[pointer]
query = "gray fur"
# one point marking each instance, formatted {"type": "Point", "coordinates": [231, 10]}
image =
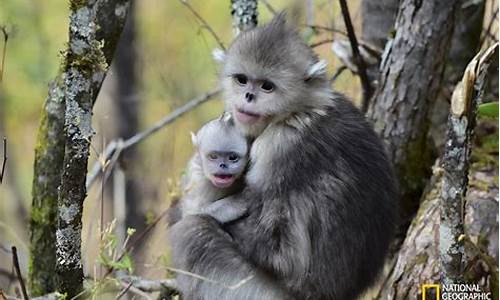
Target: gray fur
{"type": "Point", "coordinates": [199, 192]}
{"type": "Point", "coordinates": [320, 191]}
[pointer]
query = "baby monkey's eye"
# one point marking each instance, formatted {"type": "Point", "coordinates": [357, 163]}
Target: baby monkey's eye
{"type": "Point", "coordinates": [240, 79]}
{"type": "Point", "coordinates": [212, 156]}
{"type": "Point", "coordinates": [234, 157]}
{"type": "Point", "coordinates": [267, 86]}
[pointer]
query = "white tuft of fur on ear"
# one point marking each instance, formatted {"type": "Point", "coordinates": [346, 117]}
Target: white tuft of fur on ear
{"type": "Point", "coordinates": [194, 139]}
{"type": "Point", "coordinates": [317, 69]}
{"type": "Point", "coordinates": [219, 55]}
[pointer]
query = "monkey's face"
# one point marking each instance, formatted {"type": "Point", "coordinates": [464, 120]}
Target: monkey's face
{"type": "Point", "coordinates": [223, 168]}
{"type": "Point", "coordinates": [267, 74]}
{"type": "Point", "coordinates": [223, 151]}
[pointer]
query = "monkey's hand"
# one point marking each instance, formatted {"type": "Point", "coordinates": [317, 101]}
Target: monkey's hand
{"type": "Point", "coordinates": [225, 210]}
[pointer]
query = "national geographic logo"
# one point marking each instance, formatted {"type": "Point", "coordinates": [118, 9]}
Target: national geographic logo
{"type": "Point", "coordinates": [454, 292]}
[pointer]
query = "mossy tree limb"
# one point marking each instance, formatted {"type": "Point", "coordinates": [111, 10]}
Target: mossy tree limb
{"type": "Point", "coordinates": [455, 163]}
{"type": "Point", "coordinates": [49, 155]}
{"type": "Point", "coordinates": [95, 28]}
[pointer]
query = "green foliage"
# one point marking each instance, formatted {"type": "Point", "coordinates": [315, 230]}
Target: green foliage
{"type": "Point", "coordinates": [109, 254]}
{"type": "Point", "coordinates": [488, 110]}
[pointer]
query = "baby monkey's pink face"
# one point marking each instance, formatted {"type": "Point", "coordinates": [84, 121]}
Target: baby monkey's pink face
{"type": "Point", "coordinates": [223, 168]}
{"type": "Point", "coordinates": [223, 151]}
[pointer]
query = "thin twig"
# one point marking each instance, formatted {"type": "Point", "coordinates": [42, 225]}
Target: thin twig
{"type": "Point", "coordinates": [488, 28]}
{"type": "Point", "coordinates": [149, 285]}
{"type": "Point", "coordinates": [4, 163]}
{"type": "Point", "coordinates": [136, 291]}
{"type": "Point", "coordinates": [124, 291]}
{"type": "Point", "coordinates": [358, 59]}
{"type": "Point", "coordinates": [130, 247]}
{"type": "Point", "coordinates": [204, 23]}
{"type": "Point", "coordinates": [114, 145]}
{"type": "Point", "coordinates": [4, 51]}
{"type": "Point", "coordinates": [337, 73]}
{"type": "Point", "coordinates": [325, 28]}
{"type": "Point", "coordinates": [327, 41]}
{"type": "Point", "coordinates": [15, 261]}
{"type": "Point", "coordinates": [269, 7]}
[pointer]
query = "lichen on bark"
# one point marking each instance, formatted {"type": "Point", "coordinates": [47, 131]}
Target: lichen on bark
{"type": "Point", "coordinates": [49, 155]}
{"type": "Point", "coordinates": [63, 146]}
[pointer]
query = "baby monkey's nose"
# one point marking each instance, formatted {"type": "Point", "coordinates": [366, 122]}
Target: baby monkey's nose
{"type": "Point", "coordinates": [223, 166]}
{"type": "Point", "coordinates": [249, 97]}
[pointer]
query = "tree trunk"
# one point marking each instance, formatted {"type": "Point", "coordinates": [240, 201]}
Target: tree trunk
{"type": "Point", "coordinates": [410, 80]}
{"type": "Point", "coordinates": [244, 14]}
{"type": "Point", "coordinates": [49, 155]}
{"type": "Point", "coordinates": [87, 62]}
{"type": "Point", "coordinates": [85, 66]}
{"type": "Point", "coordinates": [127, 109]}
{"type": "Point", "coordinates": [433, 249]}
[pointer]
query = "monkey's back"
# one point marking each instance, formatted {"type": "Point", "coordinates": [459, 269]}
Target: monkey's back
{"type": "Point", "coordinates": [324, 223]}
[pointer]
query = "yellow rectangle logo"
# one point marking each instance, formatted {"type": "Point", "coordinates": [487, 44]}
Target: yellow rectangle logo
{"type": "Point", "coordinates": [426, 287]}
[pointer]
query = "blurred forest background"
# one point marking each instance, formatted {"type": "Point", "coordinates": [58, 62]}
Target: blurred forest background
{"type": "Point", "coordinates": [163, 60]}
{"type": "Point", "coordinates": [172, 61]}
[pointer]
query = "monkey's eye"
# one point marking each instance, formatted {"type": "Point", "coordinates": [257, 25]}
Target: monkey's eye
{"type": "Point", "coordinates": [267, 86]}
{"type": "Point", "coordinates": [212, 156]}
{"type": "Point", "coordinates": [233, 157]}
{"type": "Point", "coordinates": [240, 79]}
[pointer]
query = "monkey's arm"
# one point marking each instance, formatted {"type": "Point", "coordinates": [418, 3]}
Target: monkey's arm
{"type": "Point", "coordinates": [200, 246]}
{"type": "Point", "coordinates": [225, 210]}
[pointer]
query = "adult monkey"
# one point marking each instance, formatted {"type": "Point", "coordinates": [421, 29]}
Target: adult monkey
{"type": "Point", "coordinates": [320, 191]}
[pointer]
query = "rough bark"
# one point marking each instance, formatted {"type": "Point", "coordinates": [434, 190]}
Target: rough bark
{"type": "Point", "coordinates": [443, 205]}
{"type": "Point", "coordinates": [95, 27]}
{"type": "Point", "coordinates": [456, 160]}
{"type": "Point", "coordinates": [49, 155]}
{"type": "Point", "coordinates": [410, 78]}
{"type": "Point", "coordinates": [244, 14]}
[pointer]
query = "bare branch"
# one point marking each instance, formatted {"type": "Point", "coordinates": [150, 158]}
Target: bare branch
{"type": "Point", "coordinates": [116, 146]}
{"type": "Point", "coordinates": [204, 23]}
{"type": "Point", "coordinates": [4, 163]}
{"type": "Point", "coordinates": [487, 32]}
{"type": "Point", "coordinates": [337, 73]}
{"type": "Point", "coordinates": [358, 59]}
{"type": "Point", "coordinates": [325, 28]}
{"type": "Point", "coordinates": [327, 41]}
{"type": "Point", "coordinates": [4, 51]}
{"type": "Point", "coordinates": [15, 261]}
{"type": "Point", "coordinates": [148, 285]}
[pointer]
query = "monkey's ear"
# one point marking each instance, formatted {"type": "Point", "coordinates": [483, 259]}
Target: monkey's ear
{"type": "Point", "coordinates": [316, 70]}
{"type": "Point", "coordinates": [219, 55]}
{"type": "Point", "coordinates": [194, 139]}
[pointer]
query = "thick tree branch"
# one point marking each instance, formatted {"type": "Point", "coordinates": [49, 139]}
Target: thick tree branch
{"type": "Point", "coordinates": [455, 163]}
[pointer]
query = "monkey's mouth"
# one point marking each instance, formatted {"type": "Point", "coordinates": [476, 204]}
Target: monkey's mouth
{"type": "Point", "coordinates": [247, 117]}
{"type": "Point", "coordinates": [223, 180]}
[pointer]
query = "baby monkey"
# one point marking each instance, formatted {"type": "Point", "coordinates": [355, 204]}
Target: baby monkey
{"type": "Point", "coordinates": [215, 171]}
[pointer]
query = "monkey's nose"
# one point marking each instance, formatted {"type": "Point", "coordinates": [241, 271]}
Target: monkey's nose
{"type": "Point", "coordinates": [223, 166]}
{"type": "Point", "coordinates": [250, 97]}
